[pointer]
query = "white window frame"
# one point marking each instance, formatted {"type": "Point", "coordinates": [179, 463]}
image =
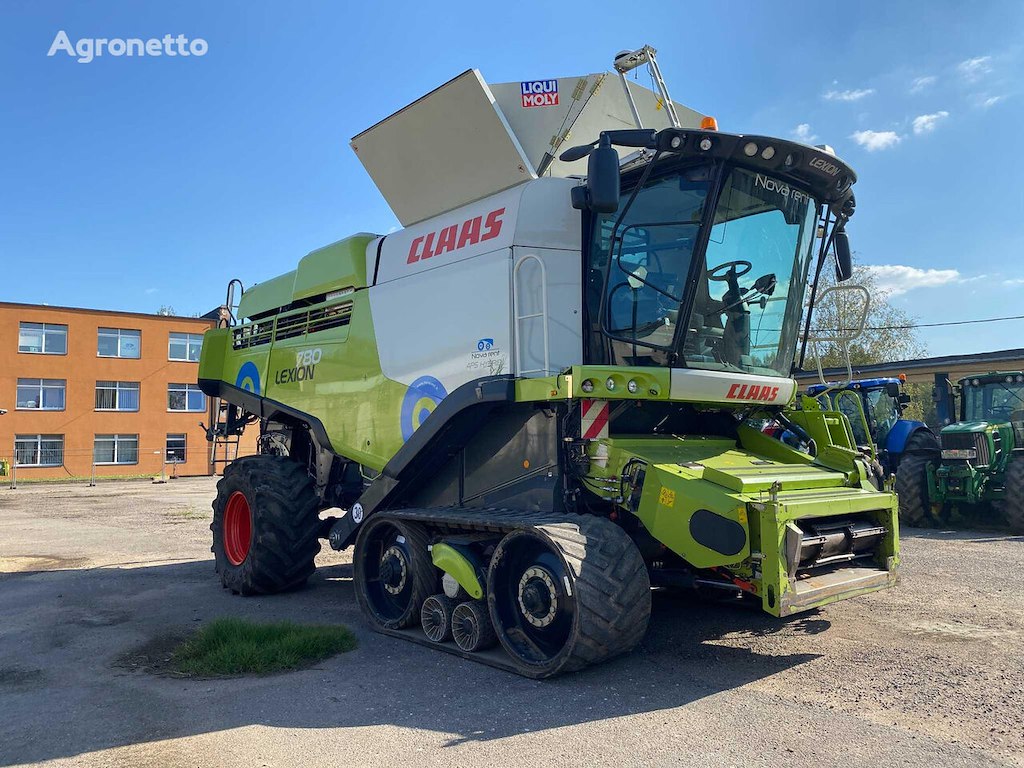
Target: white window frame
{"type": "Point", "coordinates": [118, 333]}
{"type": "Point", "coordinates": [119, 387]}
{"type": "Point", "coordinates": [189, 339]}
{"type": "Point", "coordinates": [117, 439]}
{"type": "Point", "coordinates": [176, 437]}
{"type": "Point", "coordinates": [38, 440]}
{"type": "Point", "coordinates": [59, 329]}
{"type": "Point", "coordinates": [186, 389]}
{"type": "Point", "coordinates": [39, 385]}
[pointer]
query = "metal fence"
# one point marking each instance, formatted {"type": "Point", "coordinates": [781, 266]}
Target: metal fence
{"type": "Point", "coordinates": [108, 460]}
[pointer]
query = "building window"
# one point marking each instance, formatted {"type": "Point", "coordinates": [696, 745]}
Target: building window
{"type": "Point", "coordinates": [118, 342]}
{"type": "Point", "coordinates": [185, 346]}
{"type": "Point", "coordinates": [43, 338]}
{"type": "Point", "coordinates": [176, 449]}
{"type": "Point", "coordinates": [41, 394]}
{"type": "Point", "coordinates": [117, 395]}
{"type": "Point", "coordinates": [185, 397]}
{"type": "Point", "coordinates": [116, 449]}
{"type": "Point", "coordinates": [39, 450]}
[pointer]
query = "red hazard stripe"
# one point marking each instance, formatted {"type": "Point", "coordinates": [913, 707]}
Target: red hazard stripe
{"type": "Point", "coordinates": [588, 405]}
{"type": "Point", "coordinates": [600, 422]}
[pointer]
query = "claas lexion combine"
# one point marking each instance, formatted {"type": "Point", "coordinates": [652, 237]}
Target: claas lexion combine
{"type": "Point", "coordinates": [540, 398]}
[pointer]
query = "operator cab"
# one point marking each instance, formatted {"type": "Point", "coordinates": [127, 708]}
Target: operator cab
{"type": "Point", "coordinates": [703, 261]}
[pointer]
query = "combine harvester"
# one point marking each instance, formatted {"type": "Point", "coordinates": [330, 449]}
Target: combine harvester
{"type": "Point", "coordinates": [538, 400]}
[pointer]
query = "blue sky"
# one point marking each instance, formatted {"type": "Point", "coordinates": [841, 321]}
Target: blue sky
{"type": "Point", "coordinates": [135, 182]}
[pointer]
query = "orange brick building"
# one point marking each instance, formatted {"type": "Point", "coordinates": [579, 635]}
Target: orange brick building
{"type": "Point", "coordinates": [90, 392]}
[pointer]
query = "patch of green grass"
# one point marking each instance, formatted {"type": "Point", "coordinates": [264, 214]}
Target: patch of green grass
{"type": "Point", "coordinates": [237, 647]}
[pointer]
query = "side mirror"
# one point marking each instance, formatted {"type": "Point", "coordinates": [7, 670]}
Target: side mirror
{"type": "Point", "coordinates": [892, 389]}
{"type": "Point", "coordinates": [603, 178]}
{"type": "Point", "coordinates": [903, 399]}
{"type": "Point", "coordinates": [844, 258]}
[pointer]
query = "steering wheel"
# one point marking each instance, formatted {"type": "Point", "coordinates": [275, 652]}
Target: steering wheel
{"type": "Point", "coordinates": [1002, 412]}
{"type": "Point", "coordinates": [728, 266]}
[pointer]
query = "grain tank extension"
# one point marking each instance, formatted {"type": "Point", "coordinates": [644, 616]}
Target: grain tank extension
{"type": "Point", "coordinates": [538, 400]}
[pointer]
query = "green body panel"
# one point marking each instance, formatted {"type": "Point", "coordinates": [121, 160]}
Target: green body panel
{"type": "Point", "coordinates": [335, 267]}
{"type": "Point", "coordinates": [345, 388]}
{"type": "Point", "coordinates": [685, 474]}
{"type": "Point", "coordinates": [652, 384]}
{"type": "Point", "coordinates": [456, 565]}
{"type": "Point", "coordinates": [267, 296]}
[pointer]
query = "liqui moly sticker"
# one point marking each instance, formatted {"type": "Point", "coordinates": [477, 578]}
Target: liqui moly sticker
{"type": "Point", "coordinates": [540, 93]}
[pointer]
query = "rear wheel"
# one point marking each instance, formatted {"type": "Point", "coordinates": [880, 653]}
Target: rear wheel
{"type": "Point", "coordinates": [566, 595]}
{"type": "Point", "coordinates": [265, 525]}
{"type": "Point", "coordinates": [1013, 502]}
{"type": "Point", "coordinates": [393, 572]}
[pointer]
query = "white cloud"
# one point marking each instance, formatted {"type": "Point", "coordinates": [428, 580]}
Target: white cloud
{"type": "Point", "coordinates": [151, 290]}
{"type": "Point", "coordinates": [852, 95]}
{"type": "Point", "coordinates": [920, 83]}
{"type": "Point", "coordinates": [1014, 281]}
{"type": "Point", "coordinates": [803, 133]}
{"type": "Point", "coordinates": [974, 69]}
{"type": "Point", "coordinates": [872, 141]}
{"type": "Point", "coordinates": [895, 279]}
{"type": "Point", "coordinates": [927, 123]}
{"type": "Point", "coordinates": [991, 101]}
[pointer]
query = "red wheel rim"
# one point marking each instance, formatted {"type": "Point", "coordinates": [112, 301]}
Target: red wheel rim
{"type": "Point", "coordinates": [237, 528]}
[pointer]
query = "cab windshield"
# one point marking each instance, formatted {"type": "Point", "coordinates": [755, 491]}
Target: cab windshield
{"type": "Point", "coordinates": [732, 303]}
{"type": "Point", "coordinates": [999, 401]}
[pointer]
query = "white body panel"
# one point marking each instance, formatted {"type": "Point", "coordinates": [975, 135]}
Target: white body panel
{"type": "Point", "coordinates": [467, 140]}
{"type": "Point", "coordinates": [488, 299]}
{"type": "Point", "coordinates": [729, 387]}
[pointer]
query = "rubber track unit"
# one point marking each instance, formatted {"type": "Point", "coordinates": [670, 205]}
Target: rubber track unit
{"type": "Point", "coordinates": [611, 581]}
{"type": "Point", "coordinates": [285, 524]}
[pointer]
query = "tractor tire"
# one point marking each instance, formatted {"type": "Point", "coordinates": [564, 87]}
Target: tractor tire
{"type": "Point", "coordinates": [393, 572]}
{"type": "Point", "coordinates": [1013, 501]}
{"type": "Point", "coordinates": [912, 489]}
{"type": "Point", "coordinates": [563, 596]}
{"type": "Point", "coordinates": [265, 525]}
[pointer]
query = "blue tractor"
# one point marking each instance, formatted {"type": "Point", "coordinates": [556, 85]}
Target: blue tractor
{"type": "Point", "coordinates": [875, 408]}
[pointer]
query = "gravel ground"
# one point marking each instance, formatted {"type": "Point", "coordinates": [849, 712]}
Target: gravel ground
{"type": "Point", "coordinates": [931, 673]}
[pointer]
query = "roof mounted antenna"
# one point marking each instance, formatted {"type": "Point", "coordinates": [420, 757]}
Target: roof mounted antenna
{"type": "Point", "coordinates": [627, 61]}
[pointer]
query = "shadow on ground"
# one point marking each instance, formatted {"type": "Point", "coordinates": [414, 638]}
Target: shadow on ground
{"type": "Point", "coordinates": [62, 632]}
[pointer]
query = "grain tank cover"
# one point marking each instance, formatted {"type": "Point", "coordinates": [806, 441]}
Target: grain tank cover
{"type": "Point", "coordinates": [467, 140]}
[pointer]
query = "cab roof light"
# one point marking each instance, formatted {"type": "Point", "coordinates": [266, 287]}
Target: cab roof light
{"type": "Point", "coordinates": [708, 124]}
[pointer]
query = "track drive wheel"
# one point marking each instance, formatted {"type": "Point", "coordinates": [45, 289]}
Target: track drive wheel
{"type": "Point", "coordinates": [565, 595]}
{"type": "Point", "coordinates": [393, 572]}
{"type": "Point", "coordinates": [1013, 502]}
{"type": "Point", "coordinates": [265, 525]}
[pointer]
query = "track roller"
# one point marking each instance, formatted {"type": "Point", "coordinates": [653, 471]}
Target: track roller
{"type": "Point", "coordinates": [436, 617]}
{"type": "Point", "coordinates": [471, 626]}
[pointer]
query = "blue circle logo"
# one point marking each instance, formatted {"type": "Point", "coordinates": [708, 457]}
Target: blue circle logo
{"type": "Point", "coordinates": [419, 402]}
{"type": "Point", "coordinates": [248, 378]}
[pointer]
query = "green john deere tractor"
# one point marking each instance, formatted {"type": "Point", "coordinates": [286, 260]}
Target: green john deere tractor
{"type": "Point", "coordinates": [981, 466]}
